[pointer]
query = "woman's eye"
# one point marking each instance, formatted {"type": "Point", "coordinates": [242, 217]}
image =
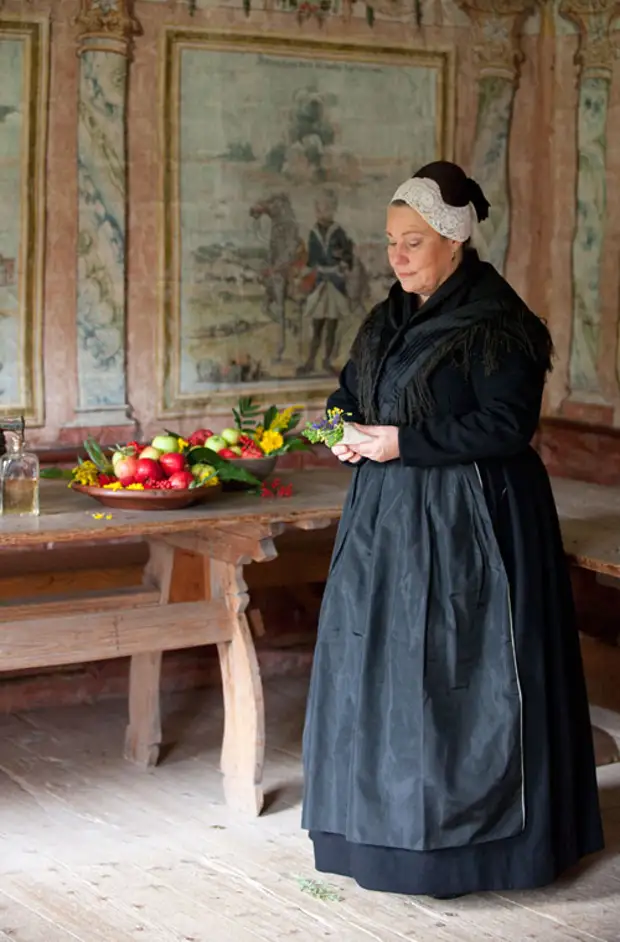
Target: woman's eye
{"type": "Point", "coordinates": [413, 245]}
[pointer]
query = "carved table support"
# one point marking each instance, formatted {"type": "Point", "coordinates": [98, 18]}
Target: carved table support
{"type": "Point", "coordinates": [225, 551]}
{"type": "Point", "coordinates": [243, 746]}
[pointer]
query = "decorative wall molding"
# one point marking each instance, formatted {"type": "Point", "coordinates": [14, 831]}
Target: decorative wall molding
{"type": "Point", "coordinates": [594, 60]}
{"type": "Point", "coordinates": [107, 28]}
{"type": "Point", "coordinates": [598, 41]}
{"type": "Point", "coordinates": [496, 32]}
{"type": "Point", "coordinates": [24, 53]}
{"type": "Point", "coordinates": [107, 25]}
{"type": "Point", "coordinates": [497, 26]}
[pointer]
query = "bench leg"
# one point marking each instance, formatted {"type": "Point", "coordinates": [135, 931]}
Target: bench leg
{"type": "Point", "coordinates": [243, 748]}
{"type": "Point", "coordinates": [143, 735]}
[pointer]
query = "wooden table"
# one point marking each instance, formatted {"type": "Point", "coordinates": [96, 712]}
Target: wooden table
{"type": "Point", "coordinates": [142, 623]}
{"type": "Point", "coordinates": [229, 533]}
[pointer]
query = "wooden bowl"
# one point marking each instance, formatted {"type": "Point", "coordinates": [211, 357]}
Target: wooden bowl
{"type": "Point", "coordinates": [149, 500]}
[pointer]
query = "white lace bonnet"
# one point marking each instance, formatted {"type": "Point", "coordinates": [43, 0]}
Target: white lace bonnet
{"type": "Point", "coordinates": [424, 195]}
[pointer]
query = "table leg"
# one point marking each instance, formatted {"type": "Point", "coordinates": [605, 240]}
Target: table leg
{"type": "Point", "coordinates": [143, 735]}
{"type": "Point", "coordinates": [243, 748]}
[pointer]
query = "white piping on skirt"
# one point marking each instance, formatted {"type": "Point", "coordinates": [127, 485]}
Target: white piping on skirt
{"type": "Point", "coordinates": [517, 677]}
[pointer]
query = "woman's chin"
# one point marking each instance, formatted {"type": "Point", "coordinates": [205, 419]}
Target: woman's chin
{"type": "Point", "coordinates": [410, 285]}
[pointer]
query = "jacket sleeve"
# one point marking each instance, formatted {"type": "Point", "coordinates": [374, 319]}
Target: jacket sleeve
{"type": "Point", "coordinates": [345, 397]}
{"type": "Point", "coordinates": [503, 424]}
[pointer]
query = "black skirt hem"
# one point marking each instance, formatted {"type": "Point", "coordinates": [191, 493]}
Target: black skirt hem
{"type": "Point", "coordinates": [413, 873]}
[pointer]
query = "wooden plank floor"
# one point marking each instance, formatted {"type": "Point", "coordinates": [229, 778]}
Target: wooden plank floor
{"type": "Point", "coordinates": [97, 851]}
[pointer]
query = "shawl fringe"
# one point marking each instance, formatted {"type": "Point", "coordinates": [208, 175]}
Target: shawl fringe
{"type": "Point", "coordinates": [512, 328]}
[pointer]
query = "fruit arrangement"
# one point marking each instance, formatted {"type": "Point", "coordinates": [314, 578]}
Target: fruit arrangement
{"type": "Point", "coordinates": [167, 462]}
{"type": "Point", "coordinates": [206, 458]}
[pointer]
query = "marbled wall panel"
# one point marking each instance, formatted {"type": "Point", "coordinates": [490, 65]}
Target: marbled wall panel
{"type": "Point", "coordinates": [101, 249]}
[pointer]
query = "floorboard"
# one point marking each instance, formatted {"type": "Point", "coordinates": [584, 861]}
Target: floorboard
{"type": "Point", "coordinates": [95, 850]}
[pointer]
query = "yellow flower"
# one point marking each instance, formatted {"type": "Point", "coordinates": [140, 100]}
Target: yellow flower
{"type": "Point", "coordinates": [135, 487]}
{"type": "Point", "coordinates": [114, 486]}
{"type": "Point", "coordinates": [98, 516]}
{"type": "Point", "coordinates": [209, 481]}
{"type": "Point", "coordinates": [282, 419]}
{"type": "Point", "coordinates": [271, 441]}
{"type": "Point", "coordinates": [86, 474]}
{"type": "Point", "coordinates": [182, 444]}
{"type": "Point", "coordinates": [258, 432]}
{"type": "Point", "coordinates": [108, 516]}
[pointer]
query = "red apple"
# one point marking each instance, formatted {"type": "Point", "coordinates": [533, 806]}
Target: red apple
{"type": "Point", "coordinates": [181, 480]}
{"type": "Point", "coordinates": [227, 453]}
{"type": "Point", "coordinates": [172, 462]}
{"type": "Point", "coordinates": [199, 437]}
{"type": "Point", "coordinates": [148, 469]}
{"type": "Point", "coordinates": [125, 470]}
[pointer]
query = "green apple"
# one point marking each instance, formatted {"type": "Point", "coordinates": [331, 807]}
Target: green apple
{"type": "Point", "coordinates": [166, 443]}
{"type": "Point", "coordinates": [150, 452]}
{"type": "Point", "coordinates": [236, 450]}
{"type": "Point", "coordinates": [231, 435]}
{"type": "Point", "coordinates": [216, 442]}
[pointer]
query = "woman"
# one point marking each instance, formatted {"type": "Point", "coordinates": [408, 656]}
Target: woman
{"type": "Point", "coordinates": [447, 746]}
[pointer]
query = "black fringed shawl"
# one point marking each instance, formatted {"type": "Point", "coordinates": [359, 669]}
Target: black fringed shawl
{"type": "Point", "coordinates": [474, 313]}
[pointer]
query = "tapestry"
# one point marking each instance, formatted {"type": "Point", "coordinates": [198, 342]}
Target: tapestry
{"type": "Point", "coordinates": [280, 157]}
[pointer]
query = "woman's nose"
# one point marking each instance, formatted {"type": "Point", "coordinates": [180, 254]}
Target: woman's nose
{"type": "Point", "coordinates": [400, 256]}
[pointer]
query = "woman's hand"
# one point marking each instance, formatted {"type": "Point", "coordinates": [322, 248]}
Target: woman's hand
{"type": "Point", "coordinates": [344, 453]}
{"type": "Point", "coordinates": [383, 444]}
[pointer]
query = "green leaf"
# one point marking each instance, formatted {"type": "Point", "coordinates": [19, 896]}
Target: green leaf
{"type": "Point", "coordinates": [248, 406]}
{"type": "Point", "coordinates": [56, 474]}
{"type": "Point", "coordinates": [269, 416]}
{"type": "Point", "coordinates": [174, 434]}
{"type": "Point", "coordinates": [225, 470]}
{"type": "Point", "coordinates": [96, 455]}
{"type": "Point", "coordinates": [326, 892]}
{"type": "Point", "coordinates": [297, 444]}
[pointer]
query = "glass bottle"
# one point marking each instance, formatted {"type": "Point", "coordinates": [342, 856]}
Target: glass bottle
{"type": "Point", "coordinates": [19, 479]}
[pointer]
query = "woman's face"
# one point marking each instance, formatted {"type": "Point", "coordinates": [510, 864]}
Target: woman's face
{"type": "Point", "coordinates": [420, 257]}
